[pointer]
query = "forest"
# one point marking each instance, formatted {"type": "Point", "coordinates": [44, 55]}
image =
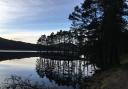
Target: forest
{"type": "Point", "coordinates": [91, 54]}
{"type": "Point", "coordinates": [98, 30]}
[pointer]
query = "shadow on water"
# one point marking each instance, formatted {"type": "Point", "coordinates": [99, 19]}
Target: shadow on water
{"type": "Point", "coordinates": [51, 55]}
{"type": "Point", "coordinates": [17, 55]}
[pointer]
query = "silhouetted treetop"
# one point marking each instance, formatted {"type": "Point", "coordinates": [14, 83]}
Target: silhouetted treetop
{"type": "Point", "coordinates": [96, 30]}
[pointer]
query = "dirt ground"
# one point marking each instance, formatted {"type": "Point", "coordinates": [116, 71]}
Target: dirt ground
{"type": "Point", "coordinates": [116, 78]}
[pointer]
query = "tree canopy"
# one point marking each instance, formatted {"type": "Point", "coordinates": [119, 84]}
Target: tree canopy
{"type": "Point", "coordinates": [96, 29]}
{"type": "Point", "coordinates": [103, 20]}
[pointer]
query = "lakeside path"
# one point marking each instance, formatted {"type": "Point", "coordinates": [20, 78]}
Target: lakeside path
{"type": "Point", "coordinates": [116, 78]}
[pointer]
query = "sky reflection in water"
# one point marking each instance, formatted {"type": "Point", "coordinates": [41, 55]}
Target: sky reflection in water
{"type": "Point", "coordinates": [32, 68]}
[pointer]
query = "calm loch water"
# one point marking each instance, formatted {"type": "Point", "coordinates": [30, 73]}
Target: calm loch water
{"type": "Point", "coordinates": [62, 74]}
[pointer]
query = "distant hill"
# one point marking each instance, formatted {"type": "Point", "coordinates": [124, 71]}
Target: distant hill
{"type": "Point", "coordinates": [6, 44]}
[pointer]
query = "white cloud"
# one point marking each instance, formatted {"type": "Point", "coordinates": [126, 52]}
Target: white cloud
{"type": "Point", "coordinates": [25, 36]}
{"type": "Point", "coordinates": [11, 10]}
{"type": "Point", "coordinates": [30, 37]}
{"type": "Point", "coordinates": [16, 15]}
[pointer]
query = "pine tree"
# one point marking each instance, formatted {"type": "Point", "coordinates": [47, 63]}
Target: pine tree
{"type": "Point", "coordinates": [103, 21]}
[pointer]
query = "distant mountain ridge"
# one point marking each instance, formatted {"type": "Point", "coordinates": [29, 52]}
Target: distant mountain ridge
{"type": "Point", "coordinates": [6, 44]}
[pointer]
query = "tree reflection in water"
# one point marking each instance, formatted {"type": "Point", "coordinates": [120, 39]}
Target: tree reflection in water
{"type": "Point", "coordinates": [65, 72]}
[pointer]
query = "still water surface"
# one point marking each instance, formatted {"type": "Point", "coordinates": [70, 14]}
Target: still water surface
{"type": "Point", "coordinates": [59, 73]}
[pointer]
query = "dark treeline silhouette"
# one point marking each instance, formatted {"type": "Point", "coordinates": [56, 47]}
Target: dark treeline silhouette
{"type": "Point", "coordinates": [99, 30]}
{"type": "Point", "coordinates": [61, 41]}
{"type": "Point", "coordinates": [61, 56]}
{"type": "Point", "coordinates": [59, 47]}
{"type": "Point", "coordinates": [48, 55]}
{"type": "Point", "coordinates": [65, 72]}
{"type": "Point", "coordinates": [6, 44]}
{"type": "Point", "coordinates": [104, 21]}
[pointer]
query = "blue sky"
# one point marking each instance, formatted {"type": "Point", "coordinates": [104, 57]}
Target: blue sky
{"type": "Point", "coordinates": [26, 20]}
